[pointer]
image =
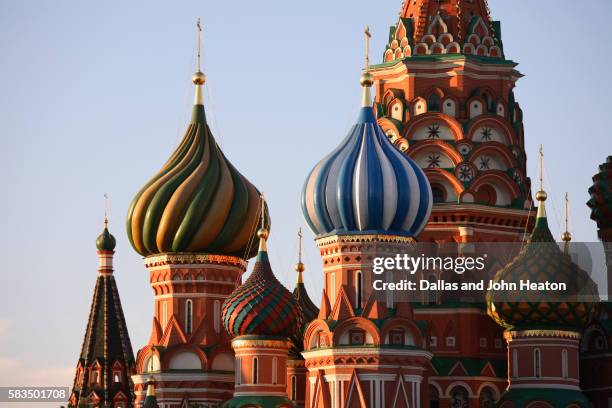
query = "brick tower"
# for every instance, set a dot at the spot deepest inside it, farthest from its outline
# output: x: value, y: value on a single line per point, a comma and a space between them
x: 194, y: 222
x: 543, y: 329
x: 444, y: 95
x: 106, y: 361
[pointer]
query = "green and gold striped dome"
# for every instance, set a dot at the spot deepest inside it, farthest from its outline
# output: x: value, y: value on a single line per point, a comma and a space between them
x: 539, y: 261
x: 198, y: 202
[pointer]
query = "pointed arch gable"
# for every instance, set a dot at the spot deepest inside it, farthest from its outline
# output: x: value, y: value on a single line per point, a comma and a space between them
x: 355, y: 396
x: 400, y: 394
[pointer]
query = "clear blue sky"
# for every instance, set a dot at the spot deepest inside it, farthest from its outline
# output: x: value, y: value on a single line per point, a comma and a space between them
x: 95, y: 95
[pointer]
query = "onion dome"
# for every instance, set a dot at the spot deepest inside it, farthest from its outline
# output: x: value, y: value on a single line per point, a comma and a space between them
x: 198, y: 202
x: 366, y: 184
x: 262, y: 305
x: 106, y: 241
x: 539, y: 261
x: 601, y: 196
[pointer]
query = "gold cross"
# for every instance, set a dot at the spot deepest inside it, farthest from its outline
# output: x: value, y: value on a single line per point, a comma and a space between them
x: 368, y: 35
x: 541, y: 167
x: 105, y: 209
x: 300, y: 244
x: 199, y: 27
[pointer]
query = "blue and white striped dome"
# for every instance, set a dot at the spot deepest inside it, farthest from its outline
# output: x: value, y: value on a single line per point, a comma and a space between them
x: 367, y: 185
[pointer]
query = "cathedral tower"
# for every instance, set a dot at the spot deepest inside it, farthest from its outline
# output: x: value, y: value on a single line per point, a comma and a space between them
x: 194, y: 222
x: 364, y: 199
x: 543, y: 328
x: 444, y: 96
x: 106, y: 361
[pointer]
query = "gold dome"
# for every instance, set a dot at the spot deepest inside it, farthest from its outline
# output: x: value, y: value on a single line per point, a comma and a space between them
x: 541, y: 195
x: 366, y: 80
x: 263, y: 233
x: 199, y: 78
x: 299, y: 267
x: 566, y: 236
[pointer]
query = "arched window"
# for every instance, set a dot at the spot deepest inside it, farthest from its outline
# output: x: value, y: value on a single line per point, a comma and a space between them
x: 537, y: 363
x: 238, y: 371
x: 564, y: 367
x: 274, y: 370
x: 217, y: 316
x: 515, y: 366
x: 358, y: 290
x: 433, y: 104
x: 293, y: 388
x: 255, y: 370
x: 486, y: 195
x: 164, y: 321
x: 332, y: 286
x: 439, y: 193
x: 434, y: 397
x: 188, y: 316
x: 459, y: 397
x: 117, y: 376
x: 486, y: 398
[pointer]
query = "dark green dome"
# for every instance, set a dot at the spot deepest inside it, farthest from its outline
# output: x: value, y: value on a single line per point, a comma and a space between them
x: 106, y: 241
x: 541, y: 260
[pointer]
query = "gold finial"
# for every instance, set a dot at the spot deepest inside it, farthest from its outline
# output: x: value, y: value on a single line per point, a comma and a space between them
x: 151, y: 387
x: 263, y: 232
x: 541, y: 195
x: 105, y: 210
x: 299, y: 266
x: 566, y: 237
x: 367, y: 79
x: 199, y: 78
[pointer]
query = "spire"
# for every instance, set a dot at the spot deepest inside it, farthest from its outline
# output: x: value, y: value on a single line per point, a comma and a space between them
x: 150, y: 400
x: 566, y: 237
x: 541, y: 195
x: 263, y: 232
x: 106, y: 346
x: 199, y: 78
x: 367, y: 80
x: 299, y: 266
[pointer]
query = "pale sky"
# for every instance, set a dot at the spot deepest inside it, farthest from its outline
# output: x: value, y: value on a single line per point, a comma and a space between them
x: 95, y: 95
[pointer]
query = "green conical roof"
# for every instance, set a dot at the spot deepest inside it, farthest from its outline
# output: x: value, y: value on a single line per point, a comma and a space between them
x: 541, y: 260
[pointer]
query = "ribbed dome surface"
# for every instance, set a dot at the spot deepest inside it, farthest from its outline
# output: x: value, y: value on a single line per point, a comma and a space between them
x: 262, y: 305
x: 541, y: 260
x: 198, y: 202
x: 601, y: 195
x: 367, y: 185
